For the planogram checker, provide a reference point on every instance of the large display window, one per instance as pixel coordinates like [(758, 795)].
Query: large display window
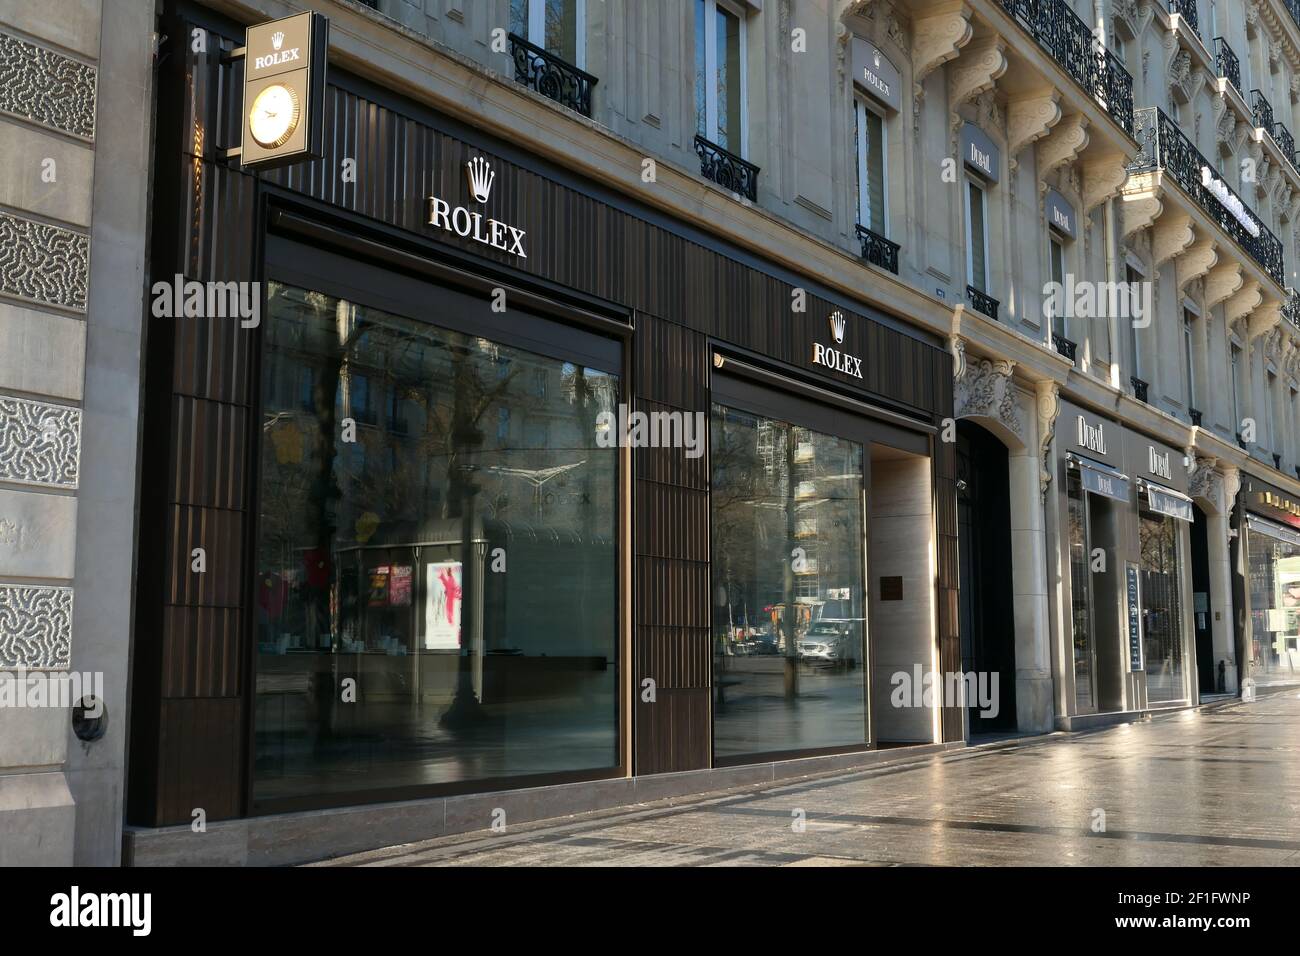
[(437, 589), (1162, 606), (1274, 558)]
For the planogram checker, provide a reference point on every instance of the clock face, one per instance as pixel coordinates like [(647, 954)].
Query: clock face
[(274, 116)]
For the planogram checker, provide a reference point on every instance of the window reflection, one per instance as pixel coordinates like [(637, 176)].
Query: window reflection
[(788, 609), (1162, 621), (436, 552), (1274, 605)]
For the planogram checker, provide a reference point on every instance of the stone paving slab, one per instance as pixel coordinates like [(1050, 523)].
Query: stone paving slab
[(1217, 786)]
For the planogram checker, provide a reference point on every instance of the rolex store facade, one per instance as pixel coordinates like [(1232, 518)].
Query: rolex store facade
[(517, 494), (1125, 550)]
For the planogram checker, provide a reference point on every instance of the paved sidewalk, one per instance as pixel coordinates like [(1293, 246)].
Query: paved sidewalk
[(1218, 786)]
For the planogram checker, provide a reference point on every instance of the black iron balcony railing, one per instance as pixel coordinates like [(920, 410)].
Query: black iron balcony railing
[(551, 76), (1139, 388), (1291, 307), (1241, 440), (1064, 346), (1262, 109), (982, 302), (1163, 146), (727, 169), (1285, 141), (1066, 37), (1297, 471), (1187, 10), (1226, 63), (1196, 416), (1277, 461), (878, 250)]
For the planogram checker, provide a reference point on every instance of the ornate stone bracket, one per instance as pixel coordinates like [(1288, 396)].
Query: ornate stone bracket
[(1242, 301), (1171, 237), (1139, 212), (1048, 405), (1031, 118), (978, 67), (983, 388), (937, 35), (1263, 318), (1194, 263), (1063, 144), (1102, 178), (1208, 483), (1221, 282)]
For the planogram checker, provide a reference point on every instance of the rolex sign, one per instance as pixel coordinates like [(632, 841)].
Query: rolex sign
[(284, 91)]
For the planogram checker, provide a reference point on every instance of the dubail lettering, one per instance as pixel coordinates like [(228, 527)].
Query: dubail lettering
[(1100, 300), (208, 300), (469, 224), (1091, 437), (632, 429), (954, 689), (1158, 464)]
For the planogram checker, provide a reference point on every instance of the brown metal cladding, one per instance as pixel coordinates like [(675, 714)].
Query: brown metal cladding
[(680, 289)]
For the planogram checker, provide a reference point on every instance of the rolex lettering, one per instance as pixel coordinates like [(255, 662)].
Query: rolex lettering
[(472, 224)]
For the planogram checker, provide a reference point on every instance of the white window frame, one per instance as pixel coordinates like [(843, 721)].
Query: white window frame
[(970, 238), (1057, 241), (711, 8), (537, 28), (860, 107)]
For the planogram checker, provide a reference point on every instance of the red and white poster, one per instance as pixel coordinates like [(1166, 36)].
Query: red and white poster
[(442, 605), (399, 586)]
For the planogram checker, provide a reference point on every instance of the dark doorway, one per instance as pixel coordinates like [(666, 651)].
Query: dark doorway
[(987, 621), (1202, 612)]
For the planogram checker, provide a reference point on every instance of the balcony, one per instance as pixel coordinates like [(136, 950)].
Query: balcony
[(1064, 346), (1277, 461), (1139, 388), (1069, 41), (982, 302), (1226, 63), (1163, 146), (1196, 415), (1187, 10), (1263, 110), (1291, 308), (878, 250), (727, 169), (551, 76)]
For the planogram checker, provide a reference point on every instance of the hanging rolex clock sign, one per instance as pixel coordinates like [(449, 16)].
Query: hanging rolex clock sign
[(284, 91)]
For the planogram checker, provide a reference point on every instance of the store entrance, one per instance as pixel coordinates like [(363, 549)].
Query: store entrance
[(1202, 613), (987, 619)]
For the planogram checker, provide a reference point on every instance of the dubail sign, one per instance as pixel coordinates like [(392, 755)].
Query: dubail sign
[(471, 224)]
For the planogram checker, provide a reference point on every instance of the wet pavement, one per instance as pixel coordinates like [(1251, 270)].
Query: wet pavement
[(1219, 786)]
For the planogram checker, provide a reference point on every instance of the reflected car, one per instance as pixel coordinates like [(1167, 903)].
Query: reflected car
[(833, 642), (757, 645)]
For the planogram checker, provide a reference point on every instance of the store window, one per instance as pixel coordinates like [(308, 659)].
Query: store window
[(436, 593), (1162, 618), (720, 74), (789, 613), (872, 185), (554, 25), (1274, 554), (1080, 614)]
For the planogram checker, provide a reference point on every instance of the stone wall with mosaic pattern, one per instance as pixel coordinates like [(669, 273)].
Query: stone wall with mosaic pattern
[(47, 87), (40, 443), (43, 263), (35, 627)]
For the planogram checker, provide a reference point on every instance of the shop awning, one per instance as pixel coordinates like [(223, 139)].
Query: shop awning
[(1102, 479), (1273, 529), (1169, 502)]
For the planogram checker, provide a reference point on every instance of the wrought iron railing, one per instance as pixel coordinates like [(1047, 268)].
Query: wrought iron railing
[(1139, 388), (1277, 461), (1226, 63), (1196, 416), (1285, 141), (1067, 38), (1064, 346), (554, 78), (727, 169), (1241, 440), (1262, 109), (878, 250), (1163, 146), (1291, 307), (1187, 10), (982, 302)]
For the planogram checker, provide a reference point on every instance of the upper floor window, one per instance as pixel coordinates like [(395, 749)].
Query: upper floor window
[(1236, 389), (1134, 279), (554, 25), (720, 74), (977, 237), (872, 187), (1188, 357), (1056, 261), (1269, 398)]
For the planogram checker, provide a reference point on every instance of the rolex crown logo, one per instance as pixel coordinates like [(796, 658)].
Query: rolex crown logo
[(481, 177), (837, 326), (277, 38)]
